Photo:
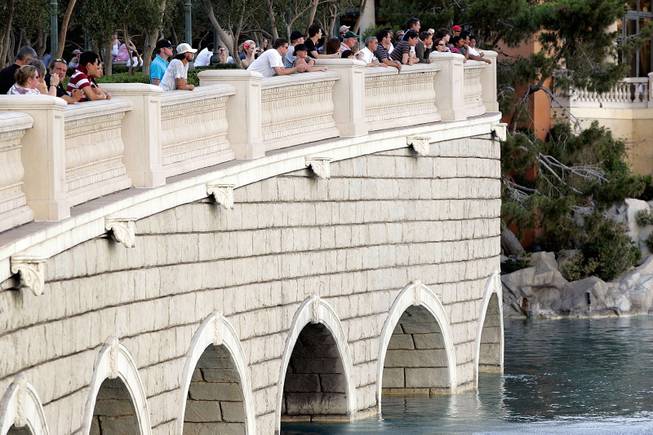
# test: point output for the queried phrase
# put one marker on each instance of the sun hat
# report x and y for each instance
(185, 48)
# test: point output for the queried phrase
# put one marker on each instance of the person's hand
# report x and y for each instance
(107, 95)
(191, 87)
(77, 95)
(54, 80)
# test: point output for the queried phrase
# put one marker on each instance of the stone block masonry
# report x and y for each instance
(381, 222)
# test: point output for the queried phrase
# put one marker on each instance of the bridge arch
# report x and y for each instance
(216, 331)
(416, 294)
(489, 338)
(21, 408)
(315, 311)
(114, 362)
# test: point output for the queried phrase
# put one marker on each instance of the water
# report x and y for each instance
(566, 376)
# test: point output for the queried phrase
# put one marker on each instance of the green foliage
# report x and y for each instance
(433, 13)
(192, 74)
(136, 77)
(607, 243)
(578, 267)
(644, 218)
(559, 189)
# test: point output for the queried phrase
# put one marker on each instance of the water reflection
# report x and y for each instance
(566, 376)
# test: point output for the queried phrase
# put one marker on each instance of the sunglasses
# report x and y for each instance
(61, 61)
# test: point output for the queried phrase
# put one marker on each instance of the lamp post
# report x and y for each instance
(188, 21)
(54, 27)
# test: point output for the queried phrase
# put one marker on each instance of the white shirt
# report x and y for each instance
(176, 70)
(267, 62)
(365, 55)
(203, 57)
(473, 51)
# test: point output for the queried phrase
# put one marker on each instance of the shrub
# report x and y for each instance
(137, 77)
(192, 74)
(607, 243)
(644, 218)
(578, 267)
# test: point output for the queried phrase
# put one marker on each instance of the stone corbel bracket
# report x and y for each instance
(421, 144)
(122, 230)
(31, 270)
(222, 193)
(321, 166)
(500, 131)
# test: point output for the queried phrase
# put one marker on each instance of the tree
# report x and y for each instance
(574, 35)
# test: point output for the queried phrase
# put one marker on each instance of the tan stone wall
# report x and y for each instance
(356, 239)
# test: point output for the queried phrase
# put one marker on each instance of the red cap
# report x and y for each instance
(456, 28)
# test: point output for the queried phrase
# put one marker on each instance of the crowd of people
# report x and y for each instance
(169, 68)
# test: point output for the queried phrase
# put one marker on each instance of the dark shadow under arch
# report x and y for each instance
(13, 430)
(315, 387)
(416, 358)
(214, 404)
(489, 360)
(114, 412)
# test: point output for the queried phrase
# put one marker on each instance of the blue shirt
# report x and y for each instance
(158, 68)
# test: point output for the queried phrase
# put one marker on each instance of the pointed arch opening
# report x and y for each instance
(21, 412)
(215, 401)
(489, 338)
(416, 351)
(13, 430)
(416, 358)
(116, 402)
(216, 395)
(315, 382)
(315, 386)
(114, 412)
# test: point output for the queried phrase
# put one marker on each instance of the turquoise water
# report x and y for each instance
(566, 376)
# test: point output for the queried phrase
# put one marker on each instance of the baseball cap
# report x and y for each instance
(456, 28)
(295, 35)
(344, 29)
(162, 43)
(185, 48)
(77, 51)
(349, 35)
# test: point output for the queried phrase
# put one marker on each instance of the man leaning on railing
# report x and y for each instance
(89, 69)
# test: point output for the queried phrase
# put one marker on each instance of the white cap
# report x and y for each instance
(185, 48)
(344, 29)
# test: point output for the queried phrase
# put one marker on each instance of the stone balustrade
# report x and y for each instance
(73, 154)
(396, 98)
(94, 150)
(473, 88)
(13, 205)
(298, 109)
(629, 93)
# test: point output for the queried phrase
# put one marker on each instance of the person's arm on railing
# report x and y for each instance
(183, 85)
(283, 71)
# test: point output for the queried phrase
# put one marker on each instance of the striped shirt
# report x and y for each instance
(79, 80)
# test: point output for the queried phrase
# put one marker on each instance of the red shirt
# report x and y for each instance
(80, 80)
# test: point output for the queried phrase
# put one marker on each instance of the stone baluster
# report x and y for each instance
(43, 154)
(349, 95)
(13, 205)
(141, 132)
(449, 85)
(650, 89)
(244, 110)
(489, 82)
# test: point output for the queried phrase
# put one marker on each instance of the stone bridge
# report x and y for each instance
(253, 252)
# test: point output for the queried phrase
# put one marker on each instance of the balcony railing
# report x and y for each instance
(56, 156)
(630, 93)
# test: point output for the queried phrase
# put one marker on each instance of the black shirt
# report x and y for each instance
(310, 47)
(8, 78)
(61, 91)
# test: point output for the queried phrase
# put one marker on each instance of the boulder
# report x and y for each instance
(626, 214)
